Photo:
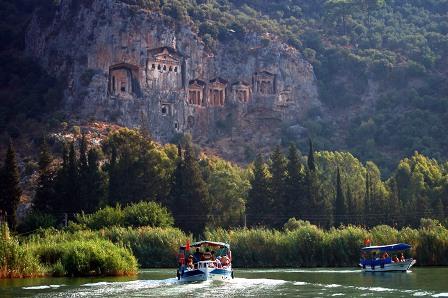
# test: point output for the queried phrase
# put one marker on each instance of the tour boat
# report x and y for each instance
(377, 259)
(204, 260)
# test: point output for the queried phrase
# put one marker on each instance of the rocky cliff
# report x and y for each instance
(139, 68)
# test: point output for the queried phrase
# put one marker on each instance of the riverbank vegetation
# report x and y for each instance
(111, 250)
(57, 253)
(104, 207)
(183, 186)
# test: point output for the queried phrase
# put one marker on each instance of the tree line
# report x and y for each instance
(326, 188)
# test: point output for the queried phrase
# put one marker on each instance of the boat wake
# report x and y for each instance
(234, 288)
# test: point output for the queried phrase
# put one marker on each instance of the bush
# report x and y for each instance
(82, 254)
(135, 215)
(106, 217)
(153, 247)
(37, 220)
(147, 214)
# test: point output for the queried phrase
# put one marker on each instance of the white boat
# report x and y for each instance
(376, 258)
(194, 264)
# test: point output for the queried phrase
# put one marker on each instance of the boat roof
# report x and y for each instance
(390, 247)
(207, 243)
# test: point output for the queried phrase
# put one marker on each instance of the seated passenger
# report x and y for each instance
(385, 255)
(206, 256)
(190, 262)
(218, 262)
(197, 255)
(402, 258)
(213, 258)
(225, 261)
(395, 259)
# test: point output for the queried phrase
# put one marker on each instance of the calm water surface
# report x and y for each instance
(349, 282)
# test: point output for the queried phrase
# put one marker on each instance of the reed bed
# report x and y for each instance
(57, 253)
(116, 250)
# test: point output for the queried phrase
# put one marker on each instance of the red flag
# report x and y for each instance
(187, 247)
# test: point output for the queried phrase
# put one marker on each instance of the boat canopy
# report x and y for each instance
(391, 247)
(207, 243)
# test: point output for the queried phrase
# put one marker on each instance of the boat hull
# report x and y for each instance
(391, 267)
(206, 274)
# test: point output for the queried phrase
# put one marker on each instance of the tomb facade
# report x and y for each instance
(217, 92)
(196, 92)
(241, 92)
(123, 80)
(264, 83)
(164, 69)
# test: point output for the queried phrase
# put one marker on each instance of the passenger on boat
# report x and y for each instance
(385, 255)
(218, 262)
(402, 258)
(206, 256)
(225, 261)
(190, 262)
(197, 255)
(395, 259)
(213, 258)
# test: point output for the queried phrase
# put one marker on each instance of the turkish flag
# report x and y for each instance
(187, 247)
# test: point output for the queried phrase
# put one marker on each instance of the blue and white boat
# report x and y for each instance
(377, 258)
(205, 260)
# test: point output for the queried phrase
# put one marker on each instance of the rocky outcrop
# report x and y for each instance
(141, 69)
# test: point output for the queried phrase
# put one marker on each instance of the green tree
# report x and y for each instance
(278, 187)
(94, 182)
(10, 191)
(340, 204)
(311, 162)
(259, 204)
(295, 195)
(189, 195)
(137, 167)
(44, 198)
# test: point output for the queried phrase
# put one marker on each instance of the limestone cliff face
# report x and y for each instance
(139, 68)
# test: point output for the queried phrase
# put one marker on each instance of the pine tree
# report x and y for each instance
(195, 195)
(311, 163)
(367, 201)
(95, 186)
(395, 205)
(258, 207)
(67, 183)
(278, 187)
(72, 183)
(83, 153)
(314, 203)
(113, 185)
(352, 211)
(294, 188)
(176, 188)
(340, 207)
(10, 188)
(44, 199)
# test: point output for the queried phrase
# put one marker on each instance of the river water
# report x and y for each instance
(349, 282)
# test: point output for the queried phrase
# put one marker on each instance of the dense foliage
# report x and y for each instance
(304, 244)
(326, 188)
(140, 214)
(62, 254)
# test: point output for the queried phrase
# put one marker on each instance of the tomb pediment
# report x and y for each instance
(218, 82)
(166, 55)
